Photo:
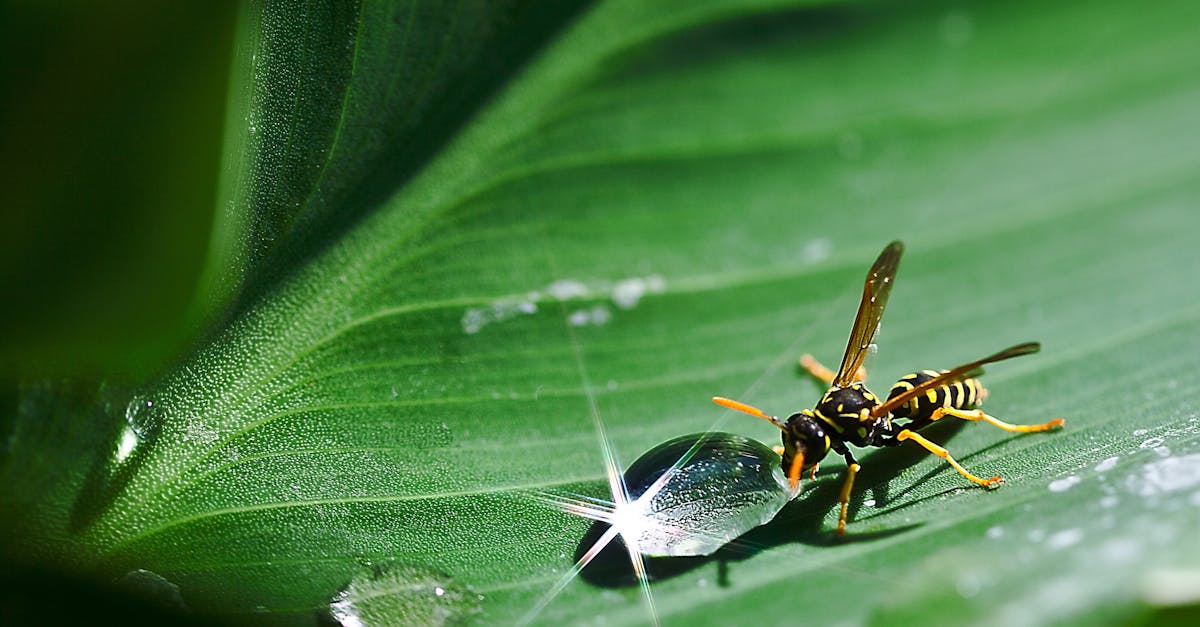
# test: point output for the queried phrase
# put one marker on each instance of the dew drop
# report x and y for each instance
(726, 486)
(1065, 538)
(1170, 474)
(1107, 464)
(566, 289)
(391, 593)
(142, 417)
(1064, 484)
(154, 588)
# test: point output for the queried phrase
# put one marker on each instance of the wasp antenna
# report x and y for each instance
(748, 409)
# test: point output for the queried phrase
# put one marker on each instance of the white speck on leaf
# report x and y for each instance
(1064, 484)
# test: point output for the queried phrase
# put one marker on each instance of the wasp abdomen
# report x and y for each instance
(965, 394)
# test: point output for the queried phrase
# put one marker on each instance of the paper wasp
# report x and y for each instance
(849, 413)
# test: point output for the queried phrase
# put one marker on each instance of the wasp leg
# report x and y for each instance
(844, 498)
(906, 434)
(818, 370)
(977, 414)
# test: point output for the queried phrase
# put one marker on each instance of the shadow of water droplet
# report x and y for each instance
(392, 593)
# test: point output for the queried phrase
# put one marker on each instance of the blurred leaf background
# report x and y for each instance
(304, 297)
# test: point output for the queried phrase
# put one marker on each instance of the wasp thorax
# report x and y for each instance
(804, 435)
(846, 402)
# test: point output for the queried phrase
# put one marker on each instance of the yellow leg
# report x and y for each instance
(994, 482)
(977, 414)
(844, 498)
(818, 370)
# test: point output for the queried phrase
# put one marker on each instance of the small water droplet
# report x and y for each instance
(869, 503)
(142, 417)
(995, 533)
(1064, 484)
(566, 289)
(1107, 464)
(1166, 475)
(1152, 443)
(391, 593)
(1065, 538)
(154, 588)
(968, 585)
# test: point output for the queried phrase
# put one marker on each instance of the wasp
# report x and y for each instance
(850, 414)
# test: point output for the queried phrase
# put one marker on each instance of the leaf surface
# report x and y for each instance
(656, 204)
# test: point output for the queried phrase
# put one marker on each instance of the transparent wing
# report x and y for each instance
(870, 311)
(965, 371)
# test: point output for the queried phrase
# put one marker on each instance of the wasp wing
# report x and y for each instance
(870, 311)
(965, 371)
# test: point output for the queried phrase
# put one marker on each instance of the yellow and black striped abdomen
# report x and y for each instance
(966, 394)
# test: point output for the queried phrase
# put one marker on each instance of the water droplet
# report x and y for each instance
(627, 292)
(391, 593)
(1166, 475)
(1064, 484)
(154, 588)
(819, 249)
(566, 289)
(1141, 432)
(869, 503)
(475, 318)
(142, 417)
(597, 315)
(995, 533)
(1065, 538)
(1172, 587)
(730, 485)
(1107, 464)
(1152, 443)
(968, 585)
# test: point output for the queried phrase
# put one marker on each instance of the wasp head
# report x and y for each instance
(804, 435)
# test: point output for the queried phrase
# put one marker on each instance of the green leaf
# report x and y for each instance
(456, 230)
